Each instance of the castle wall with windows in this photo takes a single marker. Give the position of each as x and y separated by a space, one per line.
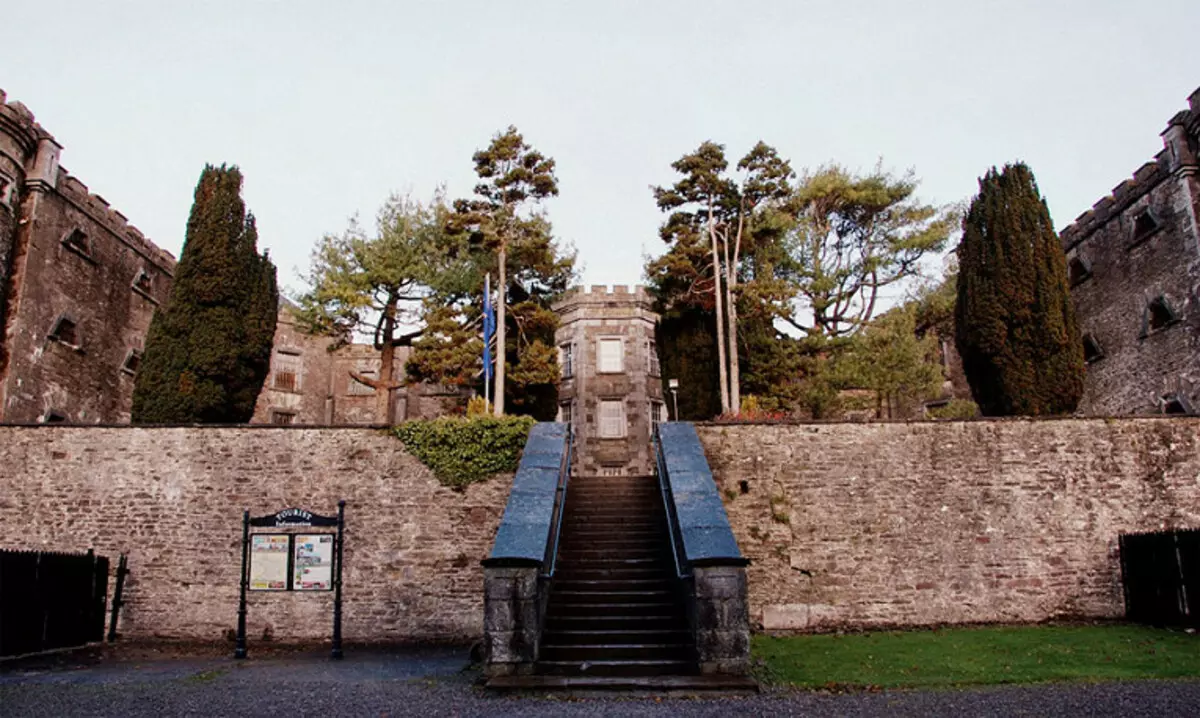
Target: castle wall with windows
1134 266
611 388
79 287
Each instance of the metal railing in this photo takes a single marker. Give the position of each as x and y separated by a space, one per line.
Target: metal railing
560 502
664 487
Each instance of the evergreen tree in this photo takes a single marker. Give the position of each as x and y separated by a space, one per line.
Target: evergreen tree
208 349
504 218
376 284
1014 322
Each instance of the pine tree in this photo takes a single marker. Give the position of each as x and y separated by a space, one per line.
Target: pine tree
208 349
1014 322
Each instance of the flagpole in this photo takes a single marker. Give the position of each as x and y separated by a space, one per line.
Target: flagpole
487 373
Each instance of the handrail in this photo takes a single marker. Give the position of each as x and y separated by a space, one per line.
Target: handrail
700 530
664 486
529 526
560 502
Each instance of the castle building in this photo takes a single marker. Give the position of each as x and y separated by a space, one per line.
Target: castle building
611 389
310 383
1134 265
78 287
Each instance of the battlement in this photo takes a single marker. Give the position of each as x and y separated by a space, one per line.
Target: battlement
75 190
16 116
1145 179
605 294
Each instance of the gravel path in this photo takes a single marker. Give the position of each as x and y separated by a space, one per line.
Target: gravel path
432 682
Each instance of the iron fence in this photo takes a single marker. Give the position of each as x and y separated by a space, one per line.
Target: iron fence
1160 572
50 600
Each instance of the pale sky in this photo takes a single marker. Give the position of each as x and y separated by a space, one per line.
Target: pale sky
329 107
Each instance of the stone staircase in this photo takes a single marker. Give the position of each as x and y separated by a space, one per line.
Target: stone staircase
613 609
615 614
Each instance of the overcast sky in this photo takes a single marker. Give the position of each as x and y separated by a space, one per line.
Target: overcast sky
328 107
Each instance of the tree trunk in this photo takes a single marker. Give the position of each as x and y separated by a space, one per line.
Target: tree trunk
387 359
501 305
721 372
735 393
383 393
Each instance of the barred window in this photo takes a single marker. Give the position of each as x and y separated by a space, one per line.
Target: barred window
286 370
283 418
652 356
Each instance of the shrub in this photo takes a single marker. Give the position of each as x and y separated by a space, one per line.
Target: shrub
461 451
955 409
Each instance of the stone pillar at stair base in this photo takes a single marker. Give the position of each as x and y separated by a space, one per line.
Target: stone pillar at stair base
721 619
512 612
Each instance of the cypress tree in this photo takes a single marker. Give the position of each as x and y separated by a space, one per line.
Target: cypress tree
208 349
1014 322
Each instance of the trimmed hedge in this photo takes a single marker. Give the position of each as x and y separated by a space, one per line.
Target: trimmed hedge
461 451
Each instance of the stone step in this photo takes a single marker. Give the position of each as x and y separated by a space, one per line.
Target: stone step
595 609
618 534
617 544
623 597
632 524
568 557
677 651
564 637
664 621
658 583
575 573
618 667
685 685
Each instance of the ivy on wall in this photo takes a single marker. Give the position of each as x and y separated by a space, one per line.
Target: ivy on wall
461 451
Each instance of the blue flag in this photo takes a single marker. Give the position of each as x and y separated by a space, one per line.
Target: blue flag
489 328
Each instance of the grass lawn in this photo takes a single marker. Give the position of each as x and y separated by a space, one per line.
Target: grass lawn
963 656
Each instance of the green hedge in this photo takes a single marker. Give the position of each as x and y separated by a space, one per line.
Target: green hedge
461 451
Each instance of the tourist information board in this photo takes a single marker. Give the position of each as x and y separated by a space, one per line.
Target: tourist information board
287 562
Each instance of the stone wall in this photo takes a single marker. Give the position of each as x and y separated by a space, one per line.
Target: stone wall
859 525
172 498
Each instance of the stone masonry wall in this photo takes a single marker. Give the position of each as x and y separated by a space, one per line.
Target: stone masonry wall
861 525
172 498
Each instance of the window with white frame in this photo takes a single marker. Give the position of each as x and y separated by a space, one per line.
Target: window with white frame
566 361
657 412
612 419
566 412
610 355
652 359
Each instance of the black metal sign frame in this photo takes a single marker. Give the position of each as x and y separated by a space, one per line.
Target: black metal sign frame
294 518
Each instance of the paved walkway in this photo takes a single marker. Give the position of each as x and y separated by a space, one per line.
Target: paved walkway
433 682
